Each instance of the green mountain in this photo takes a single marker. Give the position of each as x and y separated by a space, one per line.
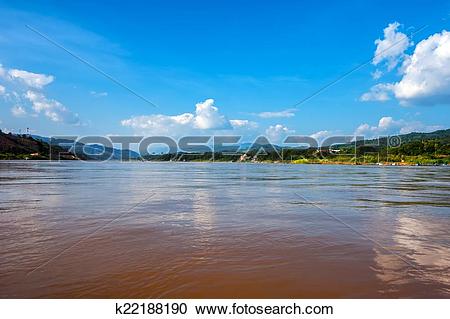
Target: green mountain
413 148
26 147
14 146
441 135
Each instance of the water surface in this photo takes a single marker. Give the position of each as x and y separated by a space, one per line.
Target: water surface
150 230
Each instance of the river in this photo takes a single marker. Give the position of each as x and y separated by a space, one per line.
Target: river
168 230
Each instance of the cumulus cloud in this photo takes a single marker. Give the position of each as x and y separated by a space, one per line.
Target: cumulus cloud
284 113
160 124
391 49
52 109
206 118
18 111
34 80
389 126
321 135
276 133
425 74
26 87
379 92
243 124
245 128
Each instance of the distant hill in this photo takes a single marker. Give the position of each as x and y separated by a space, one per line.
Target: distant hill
407 149
26 147
428 148
441 135
91 149
38 147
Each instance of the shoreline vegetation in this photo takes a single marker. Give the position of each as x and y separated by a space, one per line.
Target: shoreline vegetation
405 161
415 149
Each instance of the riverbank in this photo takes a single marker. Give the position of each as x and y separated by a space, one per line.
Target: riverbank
295 162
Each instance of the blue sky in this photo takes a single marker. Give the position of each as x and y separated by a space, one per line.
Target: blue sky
254 59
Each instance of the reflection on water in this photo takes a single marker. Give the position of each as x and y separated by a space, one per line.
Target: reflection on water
203 209
419 241
222 230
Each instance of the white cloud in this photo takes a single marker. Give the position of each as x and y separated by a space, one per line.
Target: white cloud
30 86
392 48
98 94
379 92
34 80
160 124
321 135
377 74
277 132
206 118
243 124
285 113
2 90
245 128
389 126
426 74
52 109
18 111
2 71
